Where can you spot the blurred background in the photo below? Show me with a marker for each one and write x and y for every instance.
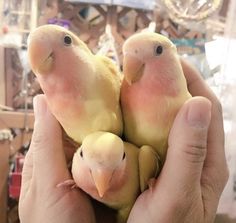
(204, 32)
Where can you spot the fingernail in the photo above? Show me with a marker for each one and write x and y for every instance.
(199, 113)
(40, 106)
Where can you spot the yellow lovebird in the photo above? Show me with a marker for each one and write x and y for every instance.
(82, 89)
(153, 90)
(112, 171)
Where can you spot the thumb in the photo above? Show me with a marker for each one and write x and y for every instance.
(49, 163)
(188, 143)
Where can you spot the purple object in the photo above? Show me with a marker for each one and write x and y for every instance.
(61, 22)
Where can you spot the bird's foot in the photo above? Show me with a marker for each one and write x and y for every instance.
(67, 183)
(151, 184)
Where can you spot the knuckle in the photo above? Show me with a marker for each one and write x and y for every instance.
(195, 153)
(196, 146)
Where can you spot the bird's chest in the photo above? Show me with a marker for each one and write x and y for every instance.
(150, 97)
(66, 106)
(147, 101)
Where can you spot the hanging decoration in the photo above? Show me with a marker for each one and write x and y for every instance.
(106, 45)
(187, 12)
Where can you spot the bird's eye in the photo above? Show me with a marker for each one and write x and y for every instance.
(124, 155)
(81, 153)
(158, 50)
(67, 40)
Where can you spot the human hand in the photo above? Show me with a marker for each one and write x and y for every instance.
(195, 172)
(187, 190)
(45, 167)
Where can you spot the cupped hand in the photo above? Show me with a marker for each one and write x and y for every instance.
(187, 190)
(44, 168)
(195, 172)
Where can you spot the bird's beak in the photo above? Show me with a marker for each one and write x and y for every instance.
(46, 65)
(102, 179)
(132, 68)
(40, 53)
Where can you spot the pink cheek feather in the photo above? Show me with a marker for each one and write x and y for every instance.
(84, 180)
(118, 179)
(62, 84)
(148, 94)
(159, 78)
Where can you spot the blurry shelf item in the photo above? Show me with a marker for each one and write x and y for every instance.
(16, 119)
(15, 29)
(88, 20)
(109, 2)
(20, 85)
(4, 170)
(199, 15)
(18, 18)
(6, 108)
(136, 4)
(124, 21)
(195, 10)
(15, 177)
(20, 13)
(106, 46)
(61, 22)
(9, 147)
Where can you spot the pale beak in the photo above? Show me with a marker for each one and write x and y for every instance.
(40, 52)
(132, 68)
(46, 65)
(102, 180)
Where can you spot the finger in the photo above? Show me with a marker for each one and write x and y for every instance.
(26, 174)
(197, 86)
(49, 163)
(187, 145)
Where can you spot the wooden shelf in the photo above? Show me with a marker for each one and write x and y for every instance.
(19, 120)
(15, 120)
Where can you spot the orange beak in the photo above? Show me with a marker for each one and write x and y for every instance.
(102, 180)
(132, 68)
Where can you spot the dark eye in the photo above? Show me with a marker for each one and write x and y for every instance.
(124, 155)
(67, 40)
(158, 50)
(81, 153)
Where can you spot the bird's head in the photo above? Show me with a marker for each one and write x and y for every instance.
(52, 46)
(139, 49)
(104, 155)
